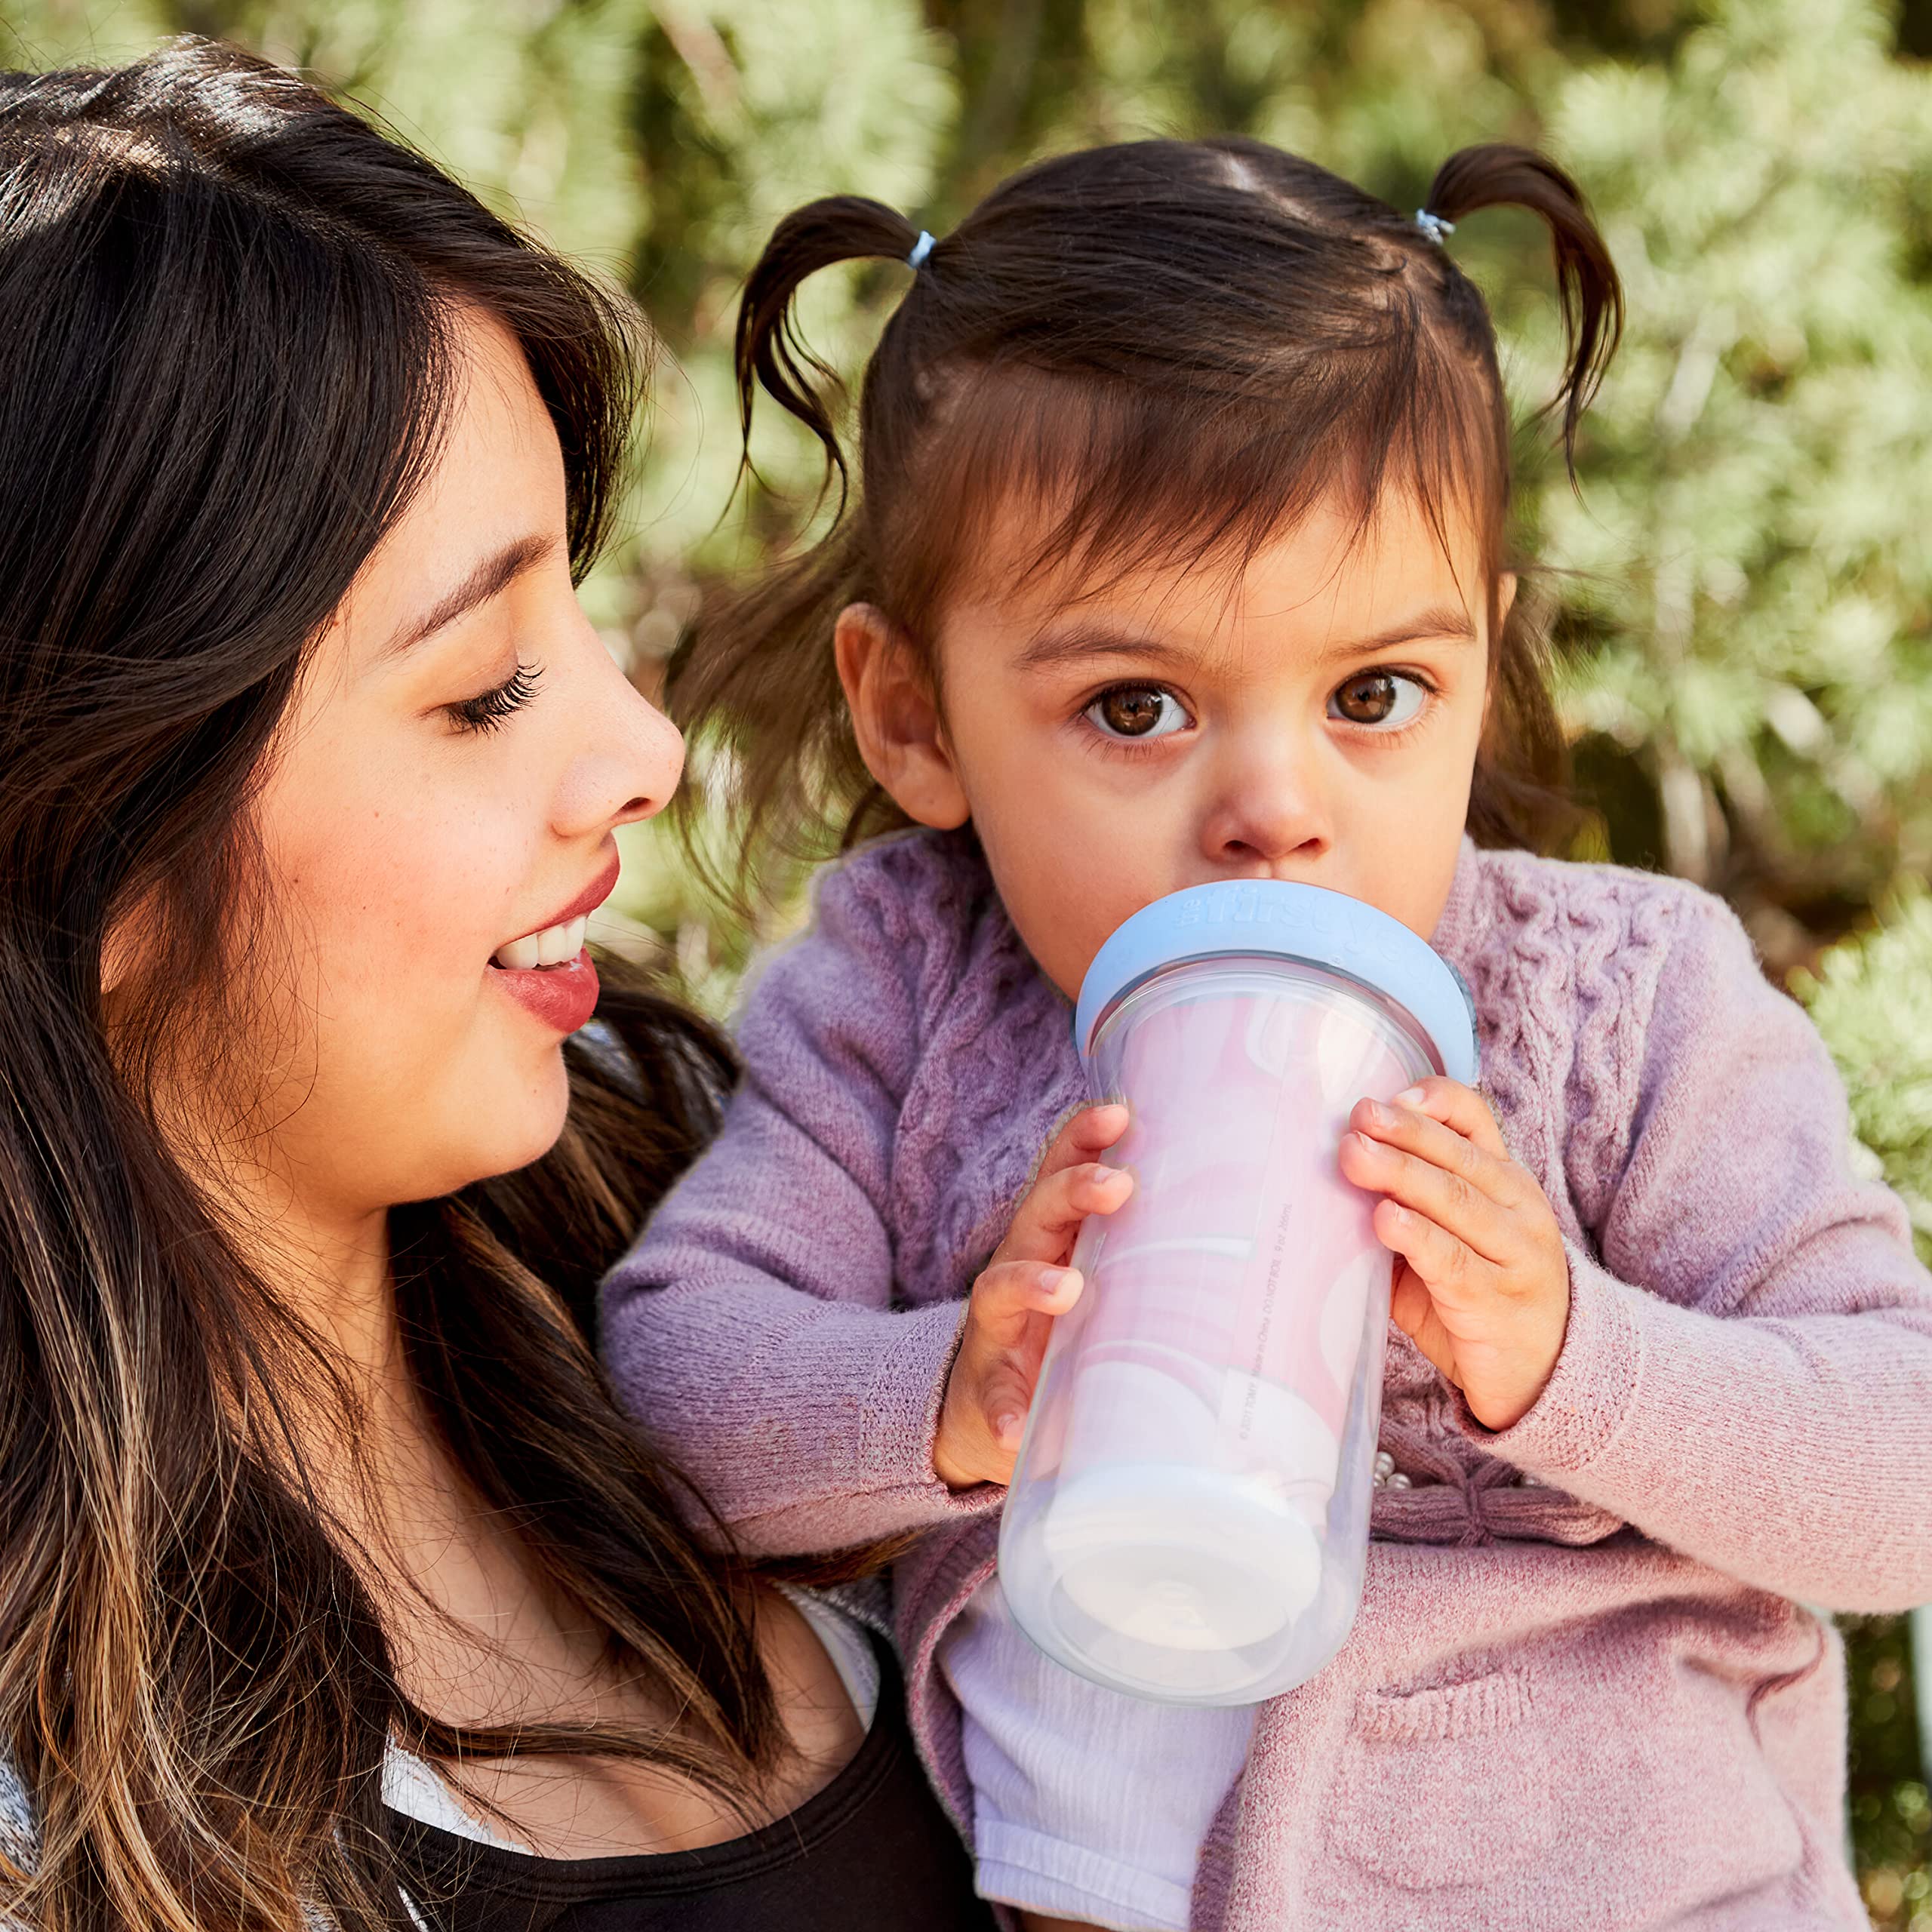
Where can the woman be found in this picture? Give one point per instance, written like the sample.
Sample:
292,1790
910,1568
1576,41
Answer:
333,1580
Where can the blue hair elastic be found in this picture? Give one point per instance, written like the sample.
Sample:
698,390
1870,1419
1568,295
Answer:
1433,225
921,249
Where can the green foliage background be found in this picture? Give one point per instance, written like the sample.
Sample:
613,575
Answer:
1744,585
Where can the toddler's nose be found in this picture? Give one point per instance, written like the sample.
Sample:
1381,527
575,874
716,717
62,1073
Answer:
1265,824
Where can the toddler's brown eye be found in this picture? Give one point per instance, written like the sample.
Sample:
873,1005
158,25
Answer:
1367,701
1137,711
1378,697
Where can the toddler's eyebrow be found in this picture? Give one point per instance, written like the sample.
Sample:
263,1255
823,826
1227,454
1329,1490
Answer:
1443,621
1095,641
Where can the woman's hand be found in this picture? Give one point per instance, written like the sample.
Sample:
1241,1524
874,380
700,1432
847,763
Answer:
1025,1285
1482,1284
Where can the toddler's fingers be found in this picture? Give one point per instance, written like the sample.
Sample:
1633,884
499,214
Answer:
1456,1276
1006,1398
1048,1219
1460,1107
1009,1294
1085,1137
1452,1203
1500,1178
1411,1310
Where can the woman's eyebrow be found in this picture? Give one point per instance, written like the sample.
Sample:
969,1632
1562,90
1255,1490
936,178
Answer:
495,573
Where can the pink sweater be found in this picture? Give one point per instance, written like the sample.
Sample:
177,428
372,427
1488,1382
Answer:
1585,1689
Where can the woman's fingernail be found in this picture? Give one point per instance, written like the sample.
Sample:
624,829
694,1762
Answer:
1382,1116
1410,1097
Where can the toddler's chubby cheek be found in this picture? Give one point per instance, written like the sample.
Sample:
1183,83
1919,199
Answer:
1063,926
1066,896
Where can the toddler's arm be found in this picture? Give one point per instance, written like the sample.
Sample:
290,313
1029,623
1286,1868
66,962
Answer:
1767,1405
753,1327
1088,1805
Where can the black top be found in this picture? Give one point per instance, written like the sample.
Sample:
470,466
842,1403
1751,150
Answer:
872,1849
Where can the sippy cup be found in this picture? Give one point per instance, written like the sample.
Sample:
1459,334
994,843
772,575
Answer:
1189,1518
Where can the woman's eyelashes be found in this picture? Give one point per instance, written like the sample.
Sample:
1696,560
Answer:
1133,713
486,711
1380,701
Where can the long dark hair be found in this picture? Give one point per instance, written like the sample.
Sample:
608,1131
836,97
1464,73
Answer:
225,362
1167,350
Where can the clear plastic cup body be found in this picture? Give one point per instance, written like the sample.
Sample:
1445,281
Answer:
1188,1519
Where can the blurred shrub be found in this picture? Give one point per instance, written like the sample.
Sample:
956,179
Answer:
1872,1000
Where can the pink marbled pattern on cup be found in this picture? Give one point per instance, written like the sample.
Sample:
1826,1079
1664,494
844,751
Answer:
1224,1322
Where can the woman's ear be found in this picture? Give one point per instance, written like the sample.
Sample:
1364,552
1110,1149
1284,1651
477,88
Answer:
896,719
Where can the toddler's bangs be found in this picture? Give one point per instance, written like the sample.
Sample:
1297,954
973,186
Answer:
1029,472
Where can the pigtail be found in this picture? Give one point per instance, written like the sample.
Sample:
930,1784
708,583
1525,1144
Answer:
770,352
1586,279
755,676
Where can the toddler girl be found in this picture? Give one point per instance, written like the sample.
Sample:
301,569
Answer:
1178,555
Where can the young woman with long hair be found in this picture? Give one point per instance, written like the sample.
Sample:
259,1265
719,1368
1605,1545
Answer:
331,1582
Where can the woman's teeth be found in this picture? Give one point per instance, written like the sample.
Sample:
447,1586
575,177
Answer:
554,945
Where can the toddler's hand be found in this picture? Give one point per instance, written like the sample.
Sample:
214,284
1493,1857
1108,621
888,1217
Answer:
1025,1285
1482,1284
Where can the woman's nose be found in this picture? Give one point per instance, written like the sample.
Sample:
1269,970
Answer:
628,759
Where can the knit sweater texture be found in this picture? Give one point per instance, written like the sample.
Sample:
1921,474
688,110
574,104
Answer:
1591,1684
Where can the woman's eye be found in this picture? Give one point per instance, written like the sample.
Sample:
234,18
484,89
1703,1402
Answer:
486,711
1385,700
1137,711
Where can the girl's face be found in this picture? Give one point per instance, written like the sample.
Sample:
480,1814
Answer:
1315,719
445,785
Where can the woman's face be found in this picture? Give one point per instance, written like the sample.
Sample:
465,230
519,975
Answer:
445,788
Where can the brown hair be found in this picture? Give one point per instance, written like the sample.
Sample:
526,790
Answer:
1172,348
225,362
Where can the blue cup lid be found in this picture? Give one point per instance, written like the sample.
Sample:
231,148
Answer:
1269,917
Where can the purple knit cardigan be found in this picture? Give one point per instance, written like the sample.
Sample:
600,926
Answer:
1585,1689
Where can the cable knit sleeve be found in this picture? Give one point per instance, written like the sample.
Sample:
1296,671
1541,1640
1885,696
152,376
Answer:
1747,1374
754,1329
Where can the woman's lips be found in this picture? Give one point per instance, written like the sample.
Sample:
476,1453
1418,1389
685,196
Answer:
563,997
591,897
